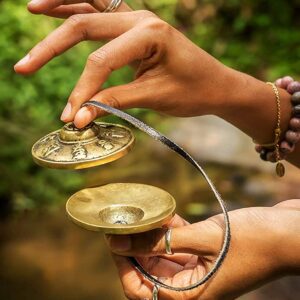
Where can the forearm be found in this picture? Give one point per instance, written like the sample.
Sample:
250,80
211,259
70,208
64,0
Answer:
288,237
250,105
265,246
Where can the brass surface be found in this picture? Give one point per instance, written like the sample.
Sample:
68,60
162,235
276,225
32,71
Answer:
72,148
121,208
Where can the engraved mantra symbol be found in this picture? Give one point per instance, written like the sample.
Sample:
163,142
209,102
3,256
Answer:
113,134
119,136
106,145
50,149
53,145
48,138
79,152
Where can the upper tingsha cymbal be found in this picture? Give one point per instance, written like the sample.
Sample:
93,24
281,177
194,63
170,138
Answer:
73,148
121,208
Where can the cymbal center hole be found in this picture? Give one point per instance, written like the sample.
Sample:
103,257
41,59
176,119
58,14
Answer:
121,214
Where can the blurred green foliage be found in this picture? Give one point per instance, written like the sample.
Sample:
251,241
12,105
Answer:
254,36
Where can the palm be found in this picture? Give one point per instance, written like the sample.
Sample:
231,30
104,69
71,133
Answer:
234,278
178,268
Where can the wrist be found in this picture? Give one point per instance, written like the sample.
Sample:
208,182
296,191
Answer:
250,105
277,248
287,238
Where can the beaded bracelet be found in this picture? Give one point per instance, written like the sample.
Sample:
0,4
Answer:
292,135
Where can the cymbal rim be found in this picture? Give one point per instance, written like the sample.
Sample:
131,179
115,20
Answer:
158,219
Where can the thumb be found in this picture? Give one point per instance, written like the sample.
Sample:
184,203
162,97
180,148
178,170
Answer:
121,97
203,238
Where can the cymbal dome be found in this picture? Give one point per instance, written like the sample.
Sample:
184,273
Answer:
69,133
72,148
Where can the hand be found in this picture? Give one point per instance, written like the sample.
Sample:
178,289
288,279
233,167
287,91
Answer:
67,8
265,245
173,75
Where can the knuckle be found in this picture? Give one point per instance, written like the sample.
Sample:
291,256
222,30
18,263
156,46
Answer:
46,46
75,20
98,58
74,98
159,26
144,14
77,23
217,222
113,102
217,228
109,100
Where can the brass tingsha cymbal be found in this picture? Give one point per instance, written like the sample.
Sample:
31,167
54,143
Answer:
72,148
121,208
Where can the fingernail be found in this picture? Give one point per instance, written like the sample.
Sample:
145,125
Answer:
120,243
34,2
23,61
66,112
82,112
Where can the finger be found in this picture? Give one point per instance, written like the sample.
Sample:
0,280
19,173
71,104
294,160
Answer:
161,267
74,30
136,287
180,258
65,11
121,97
132,45
138,94
177,221
134,284
42,6
278,82
203,238
284,82
131,280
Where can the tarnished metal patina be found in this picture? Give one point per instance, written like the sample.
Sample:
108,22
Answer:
73,148
121,208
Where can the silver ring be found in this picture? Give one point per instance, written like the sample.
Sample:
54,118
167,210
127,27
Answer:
155,292
113,6
168,242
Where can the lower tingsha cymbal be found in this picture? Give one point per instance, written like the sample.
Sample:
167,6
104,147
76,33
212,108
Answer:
72,148
121,208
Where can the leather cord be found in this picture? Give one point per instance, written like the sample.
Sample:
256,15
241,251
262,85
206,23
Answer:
173,146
